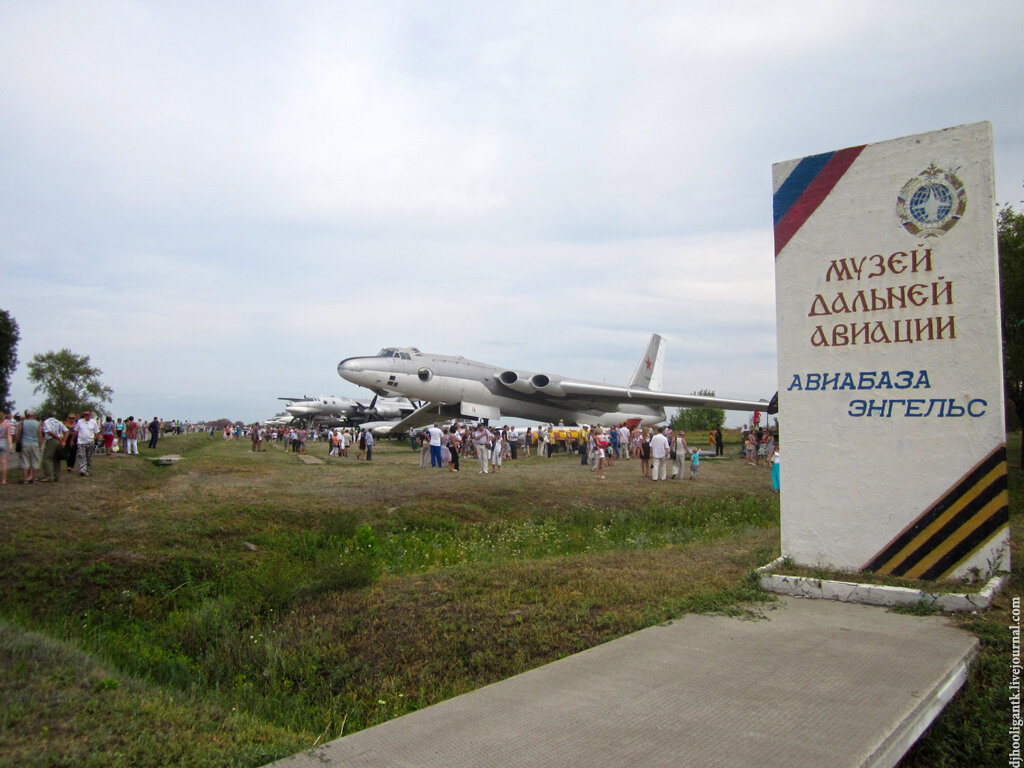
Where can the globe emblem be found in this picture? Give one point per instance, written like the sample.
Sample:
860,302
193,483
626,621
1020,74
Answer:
931,203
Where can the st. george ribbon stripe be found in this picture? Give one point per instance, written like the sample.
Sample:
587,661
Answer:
982,495
805,188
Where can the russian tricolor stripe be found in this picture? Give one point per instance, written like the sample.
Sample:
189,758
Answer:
805,189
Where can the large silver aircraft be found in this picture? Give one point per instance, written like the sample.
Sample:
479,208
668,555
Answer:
278,420
345,411
452,386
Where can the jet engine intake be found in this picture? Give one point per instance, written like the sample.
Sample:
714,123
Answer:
516,381
544,383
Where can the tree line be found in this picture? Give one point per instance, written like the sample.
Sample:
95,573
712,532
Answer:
70,383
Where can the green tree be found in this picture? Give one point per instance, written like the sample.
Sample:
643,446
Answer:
1011,265
9,337
699,419
69,382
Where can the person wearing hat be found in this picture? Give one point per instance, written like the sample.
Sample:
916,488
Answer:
86,428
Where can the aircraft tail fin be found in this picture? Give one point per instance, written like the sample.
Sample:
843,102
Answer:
648,371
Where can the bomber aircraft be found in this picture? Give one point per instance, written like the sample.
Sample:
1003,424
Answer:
452,387
278,420
345,411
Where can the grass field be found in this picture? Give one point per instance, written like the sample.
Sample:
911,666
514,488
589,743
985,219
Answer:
237,607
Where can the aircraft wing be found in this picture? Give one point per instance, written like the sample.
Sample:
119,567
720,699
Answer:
603,393
424,415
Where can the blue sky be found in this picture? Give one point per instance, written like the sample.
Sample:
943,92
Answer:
219,201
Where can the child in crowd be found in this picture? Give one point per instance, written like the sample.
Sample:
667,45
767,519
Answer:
694,464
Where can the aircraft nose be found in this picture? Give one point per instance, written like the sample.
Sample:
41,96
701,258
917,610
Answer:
350,365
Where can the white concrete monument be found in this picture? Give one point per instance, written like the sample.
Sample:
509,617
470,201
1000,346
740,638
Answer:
890,358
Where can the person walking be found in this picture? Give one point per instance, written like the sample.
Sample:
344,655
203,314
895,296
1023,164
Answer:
659,456
424,441
108,429
29,434
776,459
681,450
644,454
6,445
482,441
53,439
435,434
601,449
70,443
131,437
497,450
85,431
369,444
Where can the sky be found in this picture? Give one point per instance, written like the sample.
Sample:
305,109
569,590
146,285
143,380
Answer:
218,201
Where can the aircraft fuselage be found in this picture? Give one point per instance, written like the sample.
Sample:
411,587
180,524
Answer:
479,389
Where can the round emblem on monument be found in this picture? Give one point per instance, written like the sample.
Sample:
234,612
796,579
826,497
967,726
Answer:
931,203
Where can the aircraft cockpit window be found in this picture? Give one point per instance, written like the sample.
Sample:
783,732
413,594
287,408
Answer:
392,352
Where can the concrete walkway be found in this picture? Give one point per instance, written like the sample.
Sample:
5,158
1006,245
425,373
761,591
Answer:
816,683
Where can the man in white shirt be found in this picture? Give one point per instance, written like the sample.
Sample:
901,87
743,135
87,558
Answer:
436,434
86,429
482,441
659,456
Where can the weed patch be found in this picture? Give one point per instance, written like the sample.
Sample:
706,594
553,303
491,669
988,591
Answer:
236,607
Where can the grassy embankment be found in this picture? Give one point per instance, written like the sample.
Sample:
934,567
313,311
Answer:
236,608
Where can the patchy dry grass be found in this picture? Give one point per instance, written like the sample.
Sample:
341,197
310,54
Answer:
236,607
63,707
299,600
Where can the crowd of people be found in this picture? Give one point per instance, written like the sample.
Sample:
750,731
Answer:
661,452
760,446
45,448
40,447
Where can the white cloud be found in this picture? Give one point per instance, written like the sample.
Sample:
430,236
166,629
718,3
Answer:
218,202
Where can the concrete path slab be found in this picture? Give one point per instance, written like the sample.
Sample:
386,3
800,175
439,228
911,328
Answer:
310,459
815,683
